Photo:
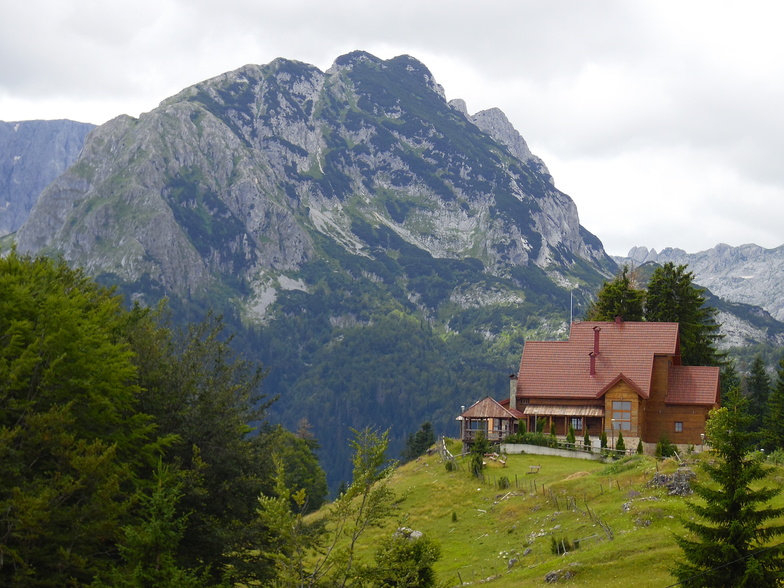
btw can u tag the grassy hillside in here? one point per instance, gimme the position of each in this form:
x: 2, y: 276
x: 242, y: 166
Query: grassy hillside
x: 625, y: 527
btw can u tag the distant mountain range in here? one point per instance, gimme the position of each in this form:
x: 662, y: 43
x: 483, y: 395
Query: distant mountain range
x: 747, y: 281
x: 385, y: 253
x: 32, y: 154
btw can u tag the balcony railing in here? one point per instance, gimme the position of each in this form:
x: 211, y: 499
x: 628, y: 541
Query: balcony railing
x: 495, y: 436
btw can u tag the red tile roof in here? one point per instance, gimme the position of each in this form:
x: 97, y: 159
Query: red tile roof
x: 562, y: 369
x: 693, y: 385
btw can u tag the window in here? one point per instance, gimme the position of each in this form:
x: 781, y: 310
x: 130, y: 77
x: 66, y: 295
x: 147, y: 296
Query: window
x: 622, y: 415
x: 678, y: 427
x: 577, y: 423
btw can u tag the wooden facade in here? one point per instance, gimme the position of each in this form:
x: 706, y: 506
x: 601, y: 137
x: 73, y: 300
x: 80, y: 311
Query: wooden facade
x: 613, y: 377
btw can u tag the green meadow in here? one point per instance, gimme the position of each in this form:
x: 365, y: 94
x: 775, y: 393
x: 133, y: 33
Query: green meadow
x: 617, y: 528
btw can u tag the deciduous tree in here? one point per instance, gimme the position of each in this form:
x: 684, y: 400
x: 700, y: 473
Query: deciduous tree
x: 72, y: 442
x: 331, y: 549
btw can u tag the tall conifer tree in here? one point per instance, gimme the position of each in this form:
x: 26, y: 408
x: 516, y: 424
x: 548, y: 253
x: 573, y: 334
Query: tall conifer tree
x: 672, y: 297
x: 758, y: 388
x: 728, y: 542
x: 773, y: 419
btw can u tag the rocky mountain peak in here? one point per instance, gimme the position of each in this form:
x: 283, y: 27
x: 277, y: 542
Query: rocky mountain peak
x: 242, y: 174
x: 746, y: 275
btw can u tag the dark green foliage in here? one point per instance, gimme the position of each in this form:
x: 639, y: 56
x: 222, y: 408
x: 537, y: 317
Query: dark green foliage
x: 503, y: 483
x: 397, y: 361
x: 539, y: 439
x: 618, y: 298
x: 729, y: 380
x: 640, y: 448
x: 562, y: 545
x: 672, y: 297
x: 149, y: 544
x: 403, y: 561
x: 664, y: 448
x: 552, y: 428
x: 480, y: 447
x: 570, y: 438
x: 72, y: 444
x: 758, y: 390
x: 729, y: 542
x: 206, y: 396
x: 619, y: 444
x: 322, y: 552
x: 603, y: 440
x: 302, y: 469
x: 418, y: 443
x: 587, y: 440
x: 773, y: 420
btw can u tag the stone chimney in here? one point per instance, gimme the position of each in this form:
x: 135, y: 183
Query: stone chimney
x: 513, y: 392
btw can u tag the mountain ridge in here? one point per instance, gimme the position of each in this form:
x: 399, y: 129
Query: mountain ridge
x: 383, y: 252
x: 365, y: 238
x: 746, y: 274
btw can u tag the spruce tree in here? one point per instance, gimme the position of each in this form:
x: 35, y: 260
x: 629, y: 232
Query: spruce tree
x: 480, y: 447
x: 673, y: 297
x: 418, y: 443
x: 773, y: 420
x: 618, y: 298
x: 758, y: 390
x: 620, y: 445
x: 728, y: 542
x: 729, y: 379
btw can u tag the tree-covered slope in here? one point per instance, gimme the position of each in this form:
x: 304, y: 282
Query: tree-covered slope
x: 377, y: 249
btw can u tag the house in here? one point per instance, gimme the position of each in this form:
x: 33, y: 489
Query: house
x: 614, y: 376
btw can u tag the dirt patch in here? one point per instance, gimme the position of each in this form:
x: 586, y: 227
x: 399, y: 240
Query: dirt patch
x: 576, y: 475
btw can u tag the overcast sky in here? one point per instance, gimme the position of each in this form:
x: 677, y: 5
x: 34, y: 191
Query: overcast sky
x: 663, y: 120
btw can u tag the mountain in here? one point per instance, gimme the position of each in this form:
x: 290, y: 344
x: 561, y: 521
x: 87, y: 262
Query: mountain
x: 231, y: 176
x: 32, y: 154
x: 745, y: 283
x: 382, y: 251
